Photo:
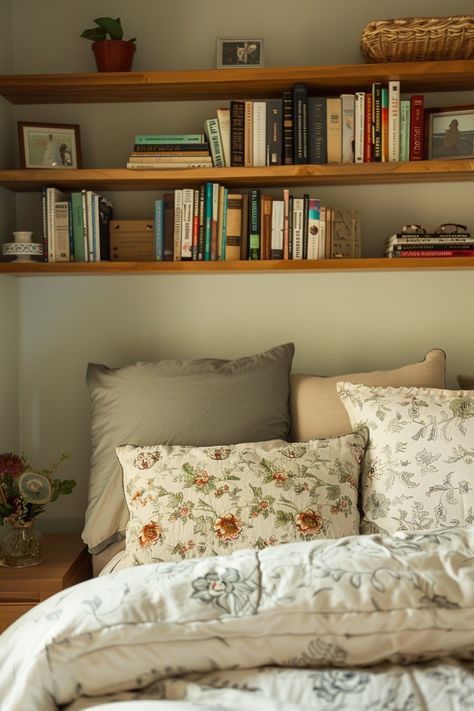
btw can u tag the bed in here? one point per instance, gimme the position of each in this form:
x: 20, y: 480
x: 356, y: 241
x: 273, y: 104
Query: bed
x: 321, y: 557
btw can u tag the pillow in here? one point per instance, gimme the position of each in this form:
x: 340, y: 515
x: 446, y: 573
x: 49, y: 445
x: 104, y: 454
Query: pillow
x: 418, y: 466
x: 188, y: 502
x: 316, y: 410
x: 466, y: 382
x: 194, y: 402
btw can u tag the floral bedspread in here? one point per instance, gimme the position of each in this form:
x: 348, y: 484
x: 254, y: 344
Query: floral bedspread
x: 363, y: 622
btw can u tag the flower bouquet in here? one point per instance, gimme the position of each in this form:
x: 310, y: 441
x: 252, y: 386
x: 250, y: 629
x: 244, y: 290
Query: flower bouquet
x: 24, y: 493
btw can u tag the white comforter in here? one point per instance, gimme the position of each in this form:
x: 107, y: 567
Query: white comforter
x: 296, y: 626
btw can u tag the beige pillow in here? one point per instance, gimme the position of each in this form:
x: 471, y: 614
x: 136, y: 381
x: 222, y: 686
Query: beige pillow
x: 202, y: 402
x: 466, y: 382
x: 316, y: 410
x: 188, y: 502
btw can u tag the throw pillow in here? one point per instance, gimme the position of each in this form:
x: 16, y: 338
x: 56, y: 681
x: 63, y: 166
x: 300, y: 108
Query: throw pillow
x: 418, y: 466
x: 188, y: 502
x: 195, y: 402
x: 316, y: 410
x: 466, y: 382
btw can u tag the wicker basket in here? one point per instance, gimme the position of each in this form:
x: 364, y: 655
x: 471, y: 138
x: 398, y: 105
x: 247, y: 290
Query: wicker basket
x: 414, y: 39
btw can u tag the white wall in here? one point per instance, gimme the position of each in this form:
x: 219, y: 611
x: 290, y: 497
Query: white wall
x: 338, y: 321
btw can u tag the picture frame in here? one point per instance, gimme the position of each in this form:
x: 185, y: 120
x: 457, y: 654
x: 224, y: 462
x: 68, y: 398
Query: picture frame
x: 242, y: 53
x: 449, y: 132
x: 49, y: 145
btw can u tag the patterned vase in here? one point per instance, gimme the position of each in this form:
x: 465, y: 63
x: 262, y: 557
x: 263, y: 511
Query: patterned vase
x: 22, y: 546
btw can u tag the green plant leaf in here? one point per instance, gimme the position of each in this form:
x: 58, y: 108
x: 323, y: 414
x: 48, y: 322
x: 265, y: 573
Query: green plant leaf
x: 112, y: 27
x: 95, y: 34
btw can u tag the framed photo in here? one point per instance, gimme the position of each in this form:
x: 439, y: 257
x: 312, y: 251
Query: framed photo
x: 239, y: 53
x: 449, y: 132
x: 49, y: 145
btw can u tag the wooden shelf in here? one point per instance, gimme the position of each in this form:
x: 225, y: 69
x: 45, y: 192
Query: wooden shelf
x: 195, y: 85
x: 276, y: 176
x: 274, y: 265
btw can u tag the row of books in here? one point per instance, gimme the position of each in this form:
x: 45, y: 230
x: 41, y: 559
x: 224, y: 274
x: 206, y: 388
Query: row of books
x: 433, y: 244
x: 213, y: 222
x: 360, y: 127
x: 170, y: 152
x: 75, y: 225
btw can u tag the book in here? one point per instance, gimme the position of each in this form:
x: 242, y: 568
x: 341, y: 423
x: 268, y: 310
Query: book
x: 266, y: 202
x: 254, y: 224
x: 53, y: 195
x: 359, y: 127
x: 244, y: 240
x: 377, y: 154
x: 305, y: 224
x: 457, y: 246
x: 158, y: 226
x: 416, y: 127
x: 169, y: 165
x: 297, y: 228
x: 347, y: 129
x: 144, y: 149
x: 222, y: 222
x: 158, y: 138
x: 248, y: 133
x: 178, y: 224
x: 215, y: 142
x: 207, y: 221
x: 196, y: 222
x: 286, y: 210
x: 314, y: 223
x: 273, y: 132
x: 202, y: 221
x: 276, y: 243
x: 223, y: 119
x: 433, y: 253
x: 155, y: 159
x: 368, y: 153
x: 334, y: 129
x: 61, y: 231
x: 234, y: 227
x: 394, y: 120
x: 77, y: 227
x: 237, y: 132
x: 187, y: 224
x: 287, y: 99
x: 300, y: 123
x: 384, y: 116
x: 317, y: 130
x: 106, y: 214
x: 214, y: 219
x: 259, y: 139
x: 404, y: 129
x: 168, y: 226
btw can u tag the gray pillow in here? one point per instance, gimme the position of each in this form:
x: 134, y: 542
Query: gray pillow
x: 194, y: 402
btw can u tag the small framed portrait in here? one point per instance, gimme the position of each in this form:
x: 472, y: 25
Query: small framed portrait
x: 49, y: 145
x: 239, y: 52
x: 449, y: 132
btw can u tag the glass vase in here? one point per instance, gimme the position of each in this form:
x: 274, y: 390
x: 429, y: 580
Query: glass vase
x: 22, y: 546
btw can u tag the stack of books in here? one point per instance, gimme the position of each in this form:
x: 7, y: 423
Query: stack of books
x: 170, y: 152
x: 432, y: 244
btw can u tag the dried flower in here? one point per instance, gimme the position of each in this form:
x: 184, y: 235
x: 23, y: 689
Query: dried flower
x: 25, y: 492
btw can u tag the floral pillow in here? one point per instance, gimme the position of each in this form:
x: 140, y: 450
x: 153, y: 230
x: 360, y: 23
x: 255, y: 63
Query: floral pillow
x: 418, y: 467
x: 189, y: 502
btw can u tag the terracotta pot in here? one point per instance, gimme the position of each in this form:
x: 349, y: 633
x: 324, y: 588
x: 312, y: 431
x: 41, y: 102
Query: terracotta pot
x: 114, y: 55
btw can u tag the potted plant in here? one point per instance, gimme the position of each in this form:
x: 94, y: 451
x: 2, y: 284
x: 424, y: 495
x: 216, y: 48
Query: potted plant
x: 112, y: 53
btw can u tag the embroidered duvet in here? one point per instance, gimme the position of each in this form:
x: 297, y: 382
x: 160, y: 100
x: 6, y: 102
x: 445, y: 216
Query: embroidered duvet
x: 363, y: 622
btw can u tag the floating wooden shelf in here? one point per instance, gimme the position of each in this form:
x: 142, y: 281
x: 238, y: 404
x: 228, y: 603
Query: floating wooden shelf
x: 276, y: 176
x: 195, y: 85
x: 274, y: 265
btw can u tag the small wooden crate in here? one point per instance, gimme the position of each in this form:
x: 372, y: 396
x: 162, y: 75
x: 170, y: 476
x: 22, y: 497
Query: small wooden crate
x: 414, y: 39
x: 132, y: 240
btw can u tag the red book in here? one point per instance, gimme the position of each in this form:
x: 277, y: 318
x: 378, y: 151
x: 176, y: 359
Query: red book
x: 416, y: 126
x: 435, y: 253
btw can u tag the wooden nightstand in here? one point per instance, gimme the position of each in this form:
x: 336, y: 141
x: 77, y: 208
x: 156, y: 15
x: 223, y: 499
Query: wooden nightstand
x: 66, y: 563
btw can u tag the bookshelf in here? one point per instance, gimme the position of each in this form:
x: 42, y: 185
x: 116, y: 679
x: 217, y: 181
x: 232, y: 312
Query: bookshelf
x: 223, y: 84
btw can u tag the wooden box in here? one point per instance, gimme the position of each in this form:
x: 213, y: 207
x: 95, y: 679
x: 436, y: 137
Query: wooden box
x: 132, y: 241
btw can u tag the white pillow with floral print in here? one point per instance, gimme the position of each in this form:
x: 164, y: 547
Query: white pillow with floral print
x: 418, y: 469
x: 189, y: 502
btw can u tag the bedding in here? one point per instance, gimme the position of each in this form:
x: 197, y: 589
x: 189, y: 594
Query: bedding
x: 196, y: 402
x: 197, y: 501
x: 374, y: 622
x: 418, y: 465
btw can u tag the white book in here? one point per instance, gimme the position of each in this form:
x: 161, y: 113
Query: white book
x: 322, y: 233
x: 347, y: 139
x: 394, y: 120
x: 61, y: 231
x: 259, y: 133
x: 314, y: 227
x: 359, y: 126
x: 276, y: 245
x: 178, y: 221
x: 168, y: 166
x: 223, y: 118
x: 297, y: 237
x: 187, y: 223
x: 53, y: 195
